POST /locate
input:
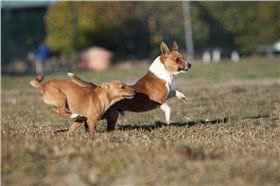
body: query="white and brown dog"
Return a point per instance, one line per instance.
(154, 88)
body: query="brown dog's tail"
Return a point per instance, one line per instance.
(37, 82)
(75, 79)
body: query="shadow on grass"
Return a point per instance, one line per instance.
(159, 124)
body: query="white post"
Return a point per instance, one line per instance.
(216, 55)
(235, 56)
(206, 57)
(188, 29)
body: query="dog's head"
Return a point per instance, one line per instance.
(172, 60)
(117, 90)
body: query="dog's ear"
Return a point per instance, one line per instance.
(105, 85)
(175, 46)
(164, 48)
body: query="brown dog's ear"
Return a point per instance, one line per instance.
(164, 48)
(105, 85)
(175, 46)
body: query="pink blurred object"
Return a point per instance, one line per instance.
(95, 58)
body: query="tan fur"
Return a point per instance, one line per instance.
(172, 60)
(87, 101)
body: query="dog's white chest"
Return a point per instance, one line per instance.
(159, 70)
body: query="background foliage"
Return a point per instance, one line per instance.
(137, 28)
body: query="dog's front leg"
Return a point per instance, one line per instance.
(180, 95)
(166, 109)
(91, 125)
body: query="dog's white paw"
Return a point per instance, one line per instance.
(185, 98)
(75, 115)
(182, 96)
(70, 74)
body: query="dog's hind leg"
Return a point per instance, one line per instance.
(60, 111)
(58, 102)
(166, 109)
(74, 127)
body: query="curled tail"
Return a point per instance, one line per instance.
(75, 79)
(37, 82)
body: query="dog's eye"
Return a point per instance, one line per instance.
(177, 60)
(123, 87)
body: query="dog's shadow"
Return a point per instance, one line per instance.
(158, 124)
(177, 124)
(188, 123)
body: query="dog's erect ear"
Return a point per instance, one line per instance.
(105, 85)
(164, 48)
(175, 46)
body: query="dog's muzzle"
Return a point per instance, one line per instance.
(180, 69)
(189, 65)
(185, 69)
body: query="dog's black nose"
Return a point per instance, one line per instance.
(189, 65)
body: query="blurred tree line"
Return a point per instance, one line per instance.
(135, 29)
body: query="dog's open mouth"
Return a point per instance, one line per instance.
(183, 70)
(187, 69)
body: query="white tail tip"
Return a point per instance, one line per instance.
(70, 74)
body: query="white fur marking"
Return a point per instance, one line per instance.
(75, 115)
(166, 109)
(159, 70)
(180, 95)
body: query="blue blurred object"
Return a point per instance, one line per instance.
(42, 52)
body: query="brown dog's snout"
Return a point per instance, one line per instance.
(189, 65)
(133, 91)
(130, 93)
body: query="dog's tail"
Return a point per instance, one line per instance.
(75, 79)
(37, 82)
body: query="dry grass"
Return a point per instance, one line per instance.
(228, 135)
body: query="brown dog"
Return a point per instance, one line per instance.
(154, 88)
(89, 102)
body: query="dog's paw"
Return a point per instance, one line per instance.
(70, 74)
(182, 96)
(186, 99)
(75, 115)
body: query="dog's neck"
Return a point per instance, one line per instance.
(110, 103)
(106, 100)
(158, 69)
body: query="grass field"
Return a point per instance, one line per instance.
(228, 135)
